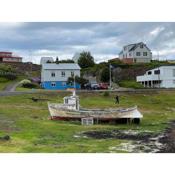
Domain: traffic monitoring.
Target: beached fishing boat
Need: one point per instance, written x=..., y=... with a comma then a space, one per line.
x=71, y=110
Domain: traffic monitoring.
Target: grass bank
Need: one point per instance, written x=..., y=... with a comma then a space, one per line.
x=26, y=122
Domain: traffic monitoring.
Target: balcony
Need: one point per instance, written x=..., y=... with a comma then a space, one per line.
x=149, y=78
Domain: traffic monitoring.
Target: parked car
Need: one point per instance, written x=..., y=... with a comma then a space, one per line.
x=87, y=86
x=91, y=86
x=95, y=86
x=103, y=85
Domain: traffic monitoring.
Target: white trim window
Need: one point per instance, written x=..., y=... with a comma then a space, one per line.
x=63, y=73
x=53, y=74
x=137, y=53
x=72, y=73
x=141, y=46
x=144, y=53
x=53, y=84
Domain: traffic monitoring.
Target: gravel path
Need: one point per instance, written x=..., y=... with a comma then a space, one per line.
x=11, y=87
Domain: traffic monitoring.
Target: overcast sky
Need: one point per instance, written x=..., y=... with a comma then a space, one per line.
x=103, y=40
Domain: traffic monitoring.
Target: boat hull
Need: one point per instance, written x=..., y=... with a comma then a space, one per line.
x=60, y=112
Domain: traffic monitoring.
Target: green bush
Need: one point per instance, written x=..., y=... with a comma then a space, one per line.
x=7, y=72
x=30, y=85
x=130, y=84
x=10, y=76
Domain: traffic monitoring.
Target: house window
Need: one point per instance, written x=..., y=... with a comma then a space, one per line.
x=173, y=81
x=63, y=74
x=125, y=48
x=72, y=73
x=157, y=72
x=141, y=46
x=144, y=53
x=53, y=74
x=130, y=54
x=53, y=84
x=173, y=72
x=137, y=53
x=149, y=73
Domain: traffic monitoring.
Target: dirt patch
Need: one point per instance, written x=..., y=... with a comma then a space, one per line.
x=125, y=135
x=139, y=141
x=134, y=141
x=168, y=139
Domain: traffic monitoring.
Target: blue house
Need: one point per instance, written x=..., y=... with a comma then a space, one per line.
x=54, y=76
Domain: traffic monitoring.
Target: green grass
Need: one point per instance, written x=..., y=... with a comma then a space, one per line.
x=3, y=83
x=130, y=84
x=30, y=130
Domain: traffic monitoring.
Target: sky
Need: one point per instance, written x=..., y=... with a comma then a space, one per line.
x=104, y=40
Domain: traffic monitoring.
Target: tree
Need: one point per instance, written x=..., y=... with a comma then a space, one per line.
x=104, y=77
x=86, y=60
x=66, y=61
x=57, y=60
x=80, y=80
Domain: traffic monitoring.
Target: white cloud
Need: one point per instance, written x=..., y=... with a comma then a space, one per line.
x=156, y=31
x=103, y=40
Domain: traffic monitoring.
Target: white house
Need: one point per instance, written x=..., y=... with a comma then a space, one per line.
x=46, y=59
x=54, y=76
x=161, y=77
x=136, y=53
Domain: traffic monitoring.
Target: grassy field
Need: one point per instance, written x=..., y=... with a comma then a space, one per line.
x=26, y=122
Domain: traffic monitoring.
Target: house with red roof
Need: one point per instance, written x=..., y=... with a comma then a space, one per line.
x=8, y=57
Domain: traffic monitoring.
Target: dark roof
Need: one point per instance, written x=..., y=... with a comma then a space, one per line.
x=136, y=45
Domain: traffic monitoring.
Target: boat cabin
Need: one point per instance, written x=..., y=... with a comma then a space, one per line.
x=72, y=102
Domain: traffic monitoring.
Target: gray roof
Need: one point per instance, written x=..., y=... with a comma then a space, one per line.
x=61, y=66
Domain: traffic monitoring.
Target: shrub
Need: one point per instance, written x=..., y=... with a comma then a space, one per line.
x=24, y=81
x=10, y=76
x=30, y=85
x=7, y=72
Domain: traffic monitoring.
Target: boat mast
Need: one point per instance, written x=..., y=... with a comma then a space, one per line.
x=74, y=87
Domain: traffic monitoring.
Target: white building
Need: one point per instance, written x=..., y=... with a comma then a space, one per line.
x=46, y=59
x=54, y=76
x=161, y=77
x=136, y=53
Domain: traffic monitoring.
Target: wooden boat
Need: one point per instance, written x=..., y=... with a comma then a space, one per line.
x=71, y=110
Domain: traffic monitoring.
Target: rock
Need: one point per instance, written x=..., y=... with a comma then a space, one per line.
x=6, y=137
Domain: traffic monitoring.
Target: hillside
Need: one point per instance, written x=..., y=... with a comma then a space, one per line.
x=14, y=72
x=120, y=71
x=24, y=68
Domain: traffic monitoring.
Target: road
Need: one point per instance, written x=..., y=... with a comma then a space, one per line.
x=10, y=90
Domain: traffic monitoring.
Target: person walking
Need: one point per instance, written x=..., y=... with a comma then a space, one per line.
x=117, y=99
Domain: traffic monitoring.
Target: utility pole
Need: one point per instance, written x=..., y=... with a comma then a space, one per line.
x=110, y=76
x=158, y=69
x=74, y=83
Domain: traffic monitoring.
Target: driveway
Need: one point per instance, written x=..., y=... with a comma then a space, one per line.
x=11, y=87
